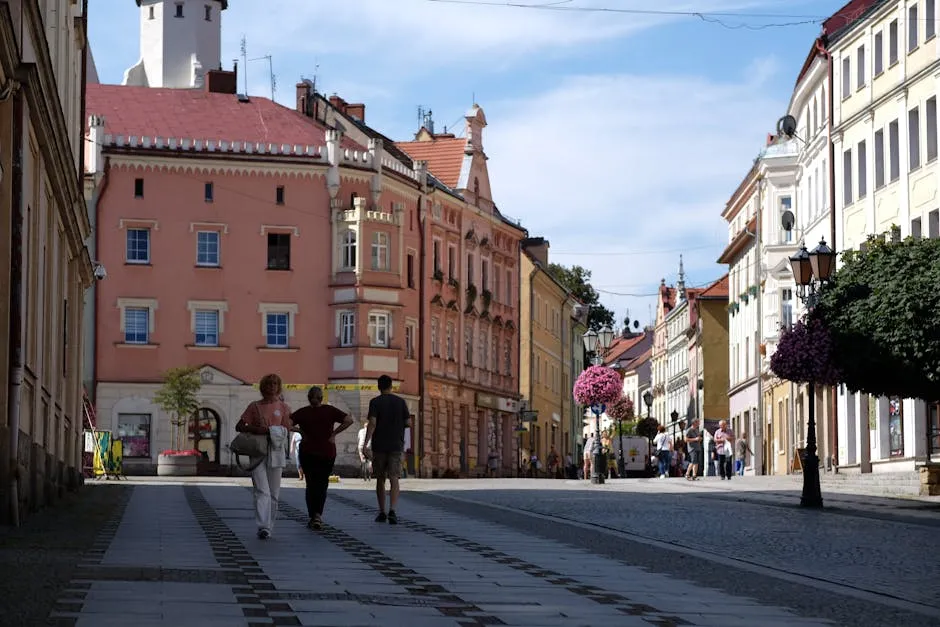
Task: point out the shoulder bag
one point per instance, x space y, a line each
250 445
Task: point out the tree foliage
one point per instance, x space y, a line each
178 397
578 282
806 354
882 309
647 428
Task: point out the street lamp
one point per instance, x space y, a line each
598 343
648 401
810 271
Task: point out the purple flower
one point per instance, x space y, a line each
598 384
806 354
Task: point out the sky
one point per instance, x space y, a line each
617 135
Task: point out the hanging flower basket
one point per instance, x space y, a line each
598 385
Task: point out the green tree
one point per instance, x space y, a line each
178 397
578 282
882 309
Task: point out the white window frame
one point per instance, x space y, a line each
346 327
349 249
150 304
220 307
290 309
127 247
218 249
381 251
380 321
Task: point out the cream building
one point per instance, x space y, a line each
42 67
886 61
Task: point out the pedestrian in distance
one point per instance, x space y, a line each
693 439
385 431
588 455
319 424
663 444
365 466
724 447
268 417
295 438
741 452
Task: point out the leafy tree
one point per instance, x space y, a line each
806 354
882 309
178 397
647 428
578 282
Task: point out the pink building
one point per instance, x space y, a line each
244 237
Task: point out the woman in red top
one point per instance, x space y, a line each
318 425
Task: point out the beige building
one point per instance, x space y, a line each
42 67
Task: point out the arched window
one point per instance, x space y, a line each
349 249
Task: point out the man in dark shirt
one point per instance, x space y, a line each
388 418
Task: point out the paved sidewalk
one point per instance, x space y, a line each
186 554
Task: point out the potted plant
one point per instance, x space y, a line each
178 398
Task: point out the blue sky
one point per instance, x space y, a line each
619 137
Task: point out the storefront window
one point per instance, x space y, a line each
133 431
896 427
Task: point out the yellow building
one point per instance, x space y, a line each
545 306
42 66
710 345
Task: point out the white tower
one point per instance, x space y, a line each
180 40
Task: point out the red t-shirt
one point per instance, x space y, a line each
316 425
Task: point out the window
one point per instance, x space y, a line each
207 248
933 224
378 329
278 251
495 354
847 177
862 158
436 248
139 186
138 246
913 138
208 13
134 432
411 270
409 341
452 262
509 288
860 67
786 204
468 344
209 192
892 43
895 425
894 157
879 159
450 339
484 349
207 328
879 53
136 325
507 356
930 15
380 252
279 195
347 328
349 250
786 308
930 113
916 230
846 77
179 9
912 28
496 293
277 329
435 337
469 270
484 275
151 15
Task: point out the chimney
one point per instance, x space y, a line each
771 139
356 111
222 81
338 103
537 247
305 95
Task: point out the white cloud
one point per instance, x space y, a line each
630 164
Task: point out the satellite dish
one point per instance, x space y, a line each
787 220
786 126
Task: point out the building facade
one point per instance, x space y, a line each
680 403
43 259
885 56
544 331
577 327
665 302
708 353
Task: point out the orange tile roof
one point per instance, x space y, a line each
443 154
620 346
718 289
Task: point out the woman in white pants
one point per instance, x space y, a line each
269 417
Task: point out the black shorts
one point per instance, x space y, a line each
695 456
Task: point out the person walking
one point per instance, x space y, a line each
388 419
268 417
693 438
588 455
295 438
741 452
364 463
319 424
724 446
663 444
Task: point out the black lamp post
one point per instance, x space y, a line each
810 270
621 465
598 343
648 401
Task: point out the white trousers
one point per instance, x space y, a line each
266 483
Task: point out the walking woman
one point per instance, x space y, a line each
268 417
319 424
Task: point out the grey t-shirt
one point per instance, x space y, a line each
692 432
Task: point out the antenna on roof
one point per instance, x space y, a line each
273 78
244 49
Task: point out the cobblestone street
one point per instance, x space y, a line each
496 552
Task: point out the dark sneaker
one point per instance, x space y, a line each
392 517
315 524
263 534
381 517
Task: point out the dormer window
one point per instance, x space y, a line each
150 14
208 13
179 9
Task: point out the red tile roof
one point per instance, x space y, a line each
639 360
196 114
443 154
847 15
718 289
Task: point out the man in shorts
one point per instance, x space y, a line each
693 439
385 430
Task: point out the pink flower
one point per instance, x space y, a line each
598 384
